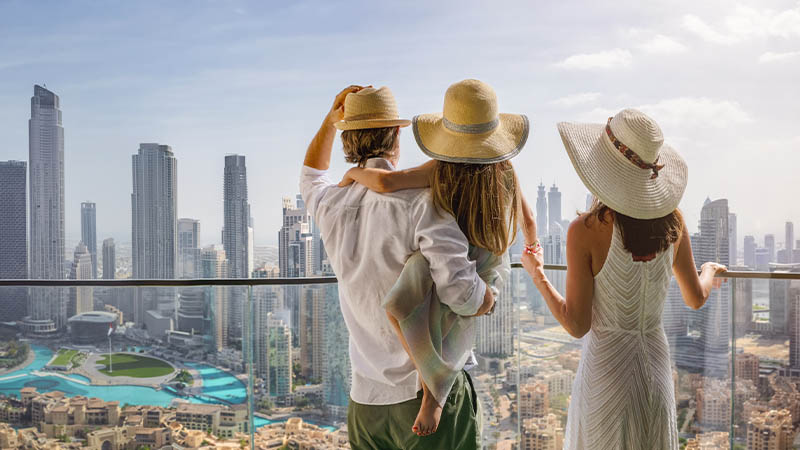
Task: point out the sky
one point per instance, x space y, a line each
211 78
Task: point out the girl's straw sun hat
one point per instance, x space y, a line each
370 108
626 164
470 129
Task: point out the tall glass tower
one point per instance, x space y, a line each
154 203
13 237
89 232
47 312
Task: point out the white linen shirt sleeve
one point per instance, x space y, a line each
313 184
445 247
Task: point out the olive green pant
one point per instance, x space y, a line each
388 427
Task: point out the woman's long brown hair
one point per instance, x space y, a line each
641 237
484 199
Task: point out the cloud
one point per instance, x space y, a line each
747 23
661 44
769 57
698 111
696 25
576 99
607 59
685 112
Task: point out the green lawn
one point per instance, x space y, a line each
136 366
63 357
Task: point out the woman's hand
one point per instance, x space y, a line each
533 261
713 269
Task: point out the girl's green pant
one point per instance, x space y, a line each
388 427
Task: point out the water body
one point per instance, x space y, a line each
221 385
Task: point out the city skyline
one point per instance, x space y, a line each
245 56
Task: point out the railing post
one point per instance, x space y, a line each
733 362
249 340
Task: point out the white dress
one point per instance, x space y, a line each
623 396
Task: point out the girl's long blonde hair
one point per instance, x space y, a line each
484 199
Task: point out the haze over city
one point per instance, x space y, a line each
256 78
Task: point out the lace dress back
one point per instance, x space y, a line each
623 395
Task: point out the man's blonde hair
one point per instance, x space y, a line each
361 145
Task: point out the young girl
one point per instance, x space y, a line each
477 185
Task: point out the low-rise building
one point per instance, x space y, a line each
717 440
220 420
771 430
542 433
534 401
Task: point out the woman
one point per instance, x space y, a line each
620 257
472 179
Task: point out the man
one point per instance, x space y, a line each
368 237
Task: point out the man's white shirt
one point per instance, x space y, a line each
368 237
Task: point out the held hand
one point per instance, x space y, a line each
533 261
337 110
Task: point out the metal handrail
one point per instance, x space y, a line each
300 281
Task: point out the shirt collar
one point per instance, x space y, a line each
380 163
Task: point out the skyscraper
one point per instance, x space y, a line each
789 241
541 211
236 234
295 254
47 307
295 240
13 238
554 211
311 328
794 323
336 376
779 298
732 237
81 298
188 249
89 232
769 244
154 203
264 303
279 358
193 314
712 244
750 251
215 265
495 337
109 259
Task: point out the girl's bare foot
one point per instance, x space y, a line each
429 415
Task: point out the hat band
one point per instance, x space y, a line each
372 116
472 128
631 155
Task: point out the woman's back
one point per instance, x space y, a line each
623 395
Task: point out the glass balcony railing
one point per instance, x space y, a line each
263 363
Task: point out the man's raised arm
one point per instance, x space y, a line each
318 155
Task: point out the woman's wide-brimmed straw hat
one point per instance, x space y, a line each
370 108
626 164
470 129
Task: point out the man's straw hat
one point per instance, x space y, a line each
370 108
470 129
626 164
